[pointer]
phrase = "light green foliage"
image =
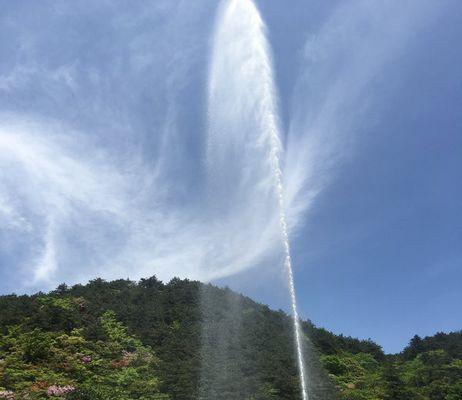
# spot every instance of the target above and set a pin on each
(65, 303)
(357, 375)
(118, 368)
(431, 375)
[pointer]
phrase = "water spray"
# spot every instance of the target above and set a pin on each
(243, 115)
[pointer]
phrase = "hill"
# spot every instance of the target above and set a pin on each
(185, 340)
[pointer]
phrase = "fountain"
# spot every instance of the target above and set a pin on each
(243, 121)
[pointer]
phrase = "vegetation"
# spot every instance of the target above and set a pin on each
(427, 369)
(185, 340)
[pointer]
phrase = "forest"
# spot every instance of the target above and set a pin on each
(145, 340)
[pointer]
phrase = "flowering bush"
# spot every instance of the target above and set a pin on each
(59, 390)
(75, 368)
(86, 359)
(7, 394)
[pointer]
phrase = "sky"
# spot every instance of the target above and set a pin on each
(132, 143)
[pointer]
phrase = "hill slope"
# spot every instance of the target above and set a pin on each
(185, 340)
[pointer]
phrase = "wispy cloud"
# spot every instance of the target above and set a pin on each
(333, 95)
(47, 178)
(102, 141)
(128, 203)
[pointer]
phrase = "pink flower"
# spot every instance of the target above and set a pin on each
(56, 390)
(7, 394)
(86, 359)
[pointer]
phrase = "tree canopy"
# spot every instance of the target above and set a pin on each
(185, 340)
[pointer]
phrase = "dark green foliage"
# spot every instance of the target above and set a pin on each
(395, 388)
(86, 394)
(168, 319)
(328, 343)
(247, 349)
(185, 340)
(451, 343)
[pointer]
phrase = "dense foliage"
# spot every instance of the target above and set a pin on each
(427, 369)
(185, 340)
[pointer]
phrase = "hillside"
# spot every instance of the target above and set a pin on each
(185, 340)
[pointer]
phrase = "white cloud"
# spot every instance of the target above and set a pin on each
(45, 181)
(98, 175)
(89, 215)
(332, 98)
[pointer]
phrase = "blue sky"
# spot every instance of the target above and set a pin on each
(108, 166)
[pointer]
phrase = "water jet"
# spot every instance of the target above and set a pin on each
(243, 122)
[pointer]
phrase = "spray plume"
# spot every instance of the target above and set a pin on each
(244, 136)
